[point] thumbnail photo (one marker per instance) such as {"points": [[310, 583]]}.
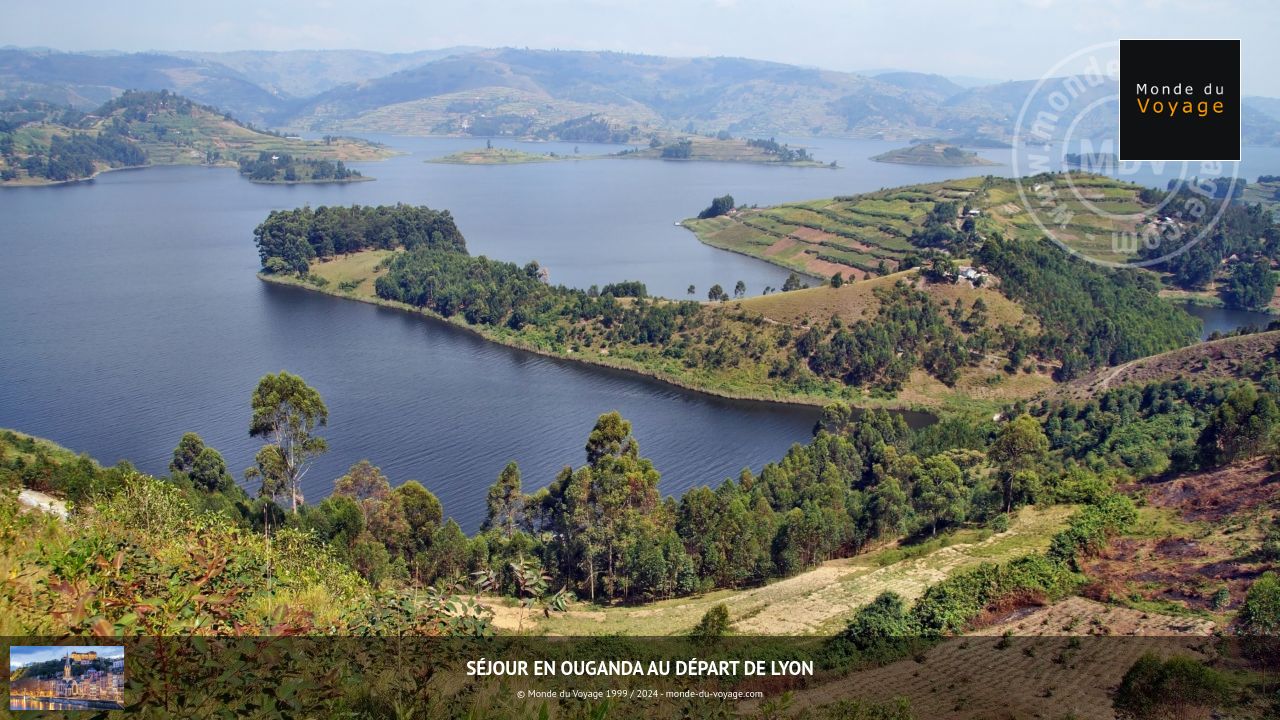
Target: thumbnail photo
{"points": [[61, 677]]}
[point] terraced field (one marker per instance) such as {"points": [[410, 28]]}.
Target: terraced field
{"points": [[869, 234]]}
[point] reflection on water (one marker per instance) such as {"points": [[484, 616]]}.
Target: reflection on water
{"points": [[34, 703], [1226, 320]]}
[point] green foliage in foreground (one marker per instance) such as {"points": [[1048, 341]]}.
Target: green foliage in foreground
{"points": [[145, 561], [1174, 688]]}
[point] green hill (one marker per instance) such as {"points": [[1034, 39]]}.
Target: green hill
{"points": [[43, 143], [855, 234], [929, 153]]}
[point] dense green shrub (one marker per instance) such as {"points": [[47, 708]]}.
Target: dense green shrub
{"points": [[1154, 689]]}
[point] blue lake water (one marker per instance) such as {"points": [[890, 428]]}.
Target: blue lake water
{"points": [[130, 313]]}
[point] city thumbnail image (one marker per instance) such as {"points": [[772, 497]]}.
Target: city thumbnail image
{"points": [[43, 677]]}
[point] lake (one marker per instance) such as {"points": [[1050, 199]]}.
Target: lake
{"points": [[130, 313], [1224, 320]]}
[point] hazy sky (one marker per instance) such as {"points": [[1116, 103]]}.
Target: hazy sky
{"points": [[998, 39]]}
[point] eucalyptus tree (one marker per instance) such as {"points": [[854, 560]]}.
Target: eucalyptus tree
{"points": [[286, 412]]}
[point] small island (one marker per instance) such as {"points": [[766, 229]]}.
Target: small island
{"points": [[1091, 161], [282, 169], [723, 148], [497, 156], [930, 153]]}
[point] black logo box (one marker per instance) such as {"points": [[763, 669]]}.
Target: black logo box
{"points": [[1187, 65]]}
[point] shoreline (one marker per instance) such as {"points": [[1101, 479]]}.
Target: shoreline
{"points": [[72, 181], [605, 361], [362, 178], [762, 258]]}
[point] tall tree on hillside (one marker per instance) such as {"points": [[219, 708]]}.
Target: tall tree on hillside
{"points": [[505, 501], [286, 412], [603, 510], [940, 492], [1018, 446]]}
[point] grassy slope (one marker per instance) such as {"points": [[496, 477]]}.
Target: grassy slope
{"points": [[12, 442], [1223, 358], [852, 235], [818, 601]]}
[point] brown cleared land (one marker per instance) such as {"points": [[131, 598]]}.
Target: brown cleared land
{"points": [[1193, 549], [1225, 358]]}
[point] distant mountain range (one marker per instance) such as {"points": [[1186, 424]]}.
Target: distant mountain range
{"points": [[530, 93]]}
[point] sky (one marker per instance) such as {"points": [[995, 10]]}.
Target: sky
{"points": [[20, 655], [994, 39]]}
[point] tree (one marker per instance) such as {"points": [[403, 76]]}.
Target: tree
{"points": [[610, 436], [1251, 285], [739, 289], [505, 501], [880, 625], [837, 279], [383, 510], [200, 464], [287, 412], [713, 625], [693, 290], [1258, 622], [940, 491], [422, 510], [209, 472], [1260, 614], [719, 206], [1179, 687], [888, 506], [601, 511], [717, 293], [1242, 425], [942, 269], [185, 454], [793, 282], [1019, 445], [338, 521]]}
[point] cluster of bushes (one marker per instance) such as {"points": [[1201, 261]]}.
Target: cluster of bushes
{"points": [[910, 330], [783, 152], [78, 155], [31, 463], [1089, 316], [278, 167], [288, 240], [1173, 425], [146, 561]]}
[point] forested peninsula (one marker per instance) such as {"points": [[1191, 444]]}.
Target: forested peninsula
{"points": [[43, 143], [921, 336]]}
